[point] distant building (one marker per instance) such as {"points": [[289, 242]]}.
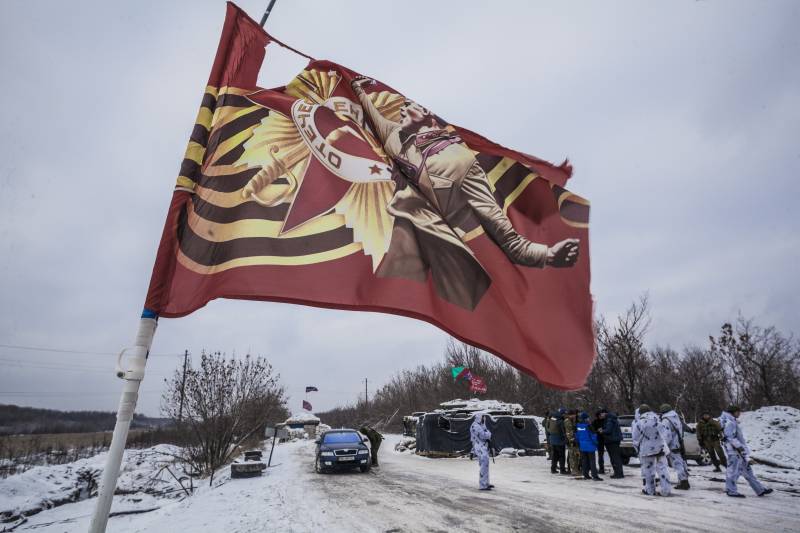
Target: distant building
{"points": [[306, 422]]}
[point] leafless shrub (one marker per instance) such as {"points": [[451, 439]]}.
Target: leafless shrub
{"points": [[221, 404]]}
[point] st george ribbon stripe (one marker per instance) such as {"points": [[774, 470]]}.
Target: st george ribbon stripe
{"points": [[224, 215], [210, 253]]}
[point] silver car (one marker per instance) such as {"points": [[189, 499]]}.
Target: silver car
{"points": [[693, 449]]}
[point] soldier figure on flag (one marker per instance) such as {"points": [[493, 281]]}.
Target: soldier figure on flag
{"points": [[444, 170]]}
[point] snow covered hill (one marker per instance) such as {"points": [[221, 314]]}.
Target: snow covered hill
{"points": [[773, 434]]}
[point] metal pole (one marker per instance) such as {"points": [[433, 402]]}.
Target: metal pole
{"points": [[366, 394], [183, 384], [133, 376], [266, 13], [275, 436]]}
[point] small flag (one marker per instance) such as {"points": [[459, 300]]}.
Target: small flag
{"points": [[460, 372], [306, 406], [312, 389], [477, 385]]}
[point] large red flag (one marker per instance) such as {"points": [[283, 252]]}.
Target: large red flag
{"points": [[337, 191]]}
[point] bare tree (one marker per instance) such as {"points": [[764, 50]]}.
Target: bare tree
{"points": [[704, 379], [622, 353], [761, 364], [226, 401]]}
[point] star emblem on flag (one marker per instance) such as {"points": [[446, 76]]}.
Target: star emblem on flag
{"points": [[316, 154]]}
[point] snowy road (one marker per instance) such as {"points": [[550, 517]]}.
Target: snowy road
{"points": [[410, 493]]}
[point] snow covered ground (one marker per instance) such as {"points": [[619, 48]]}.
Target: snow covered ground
{"points": [[409, 493]]}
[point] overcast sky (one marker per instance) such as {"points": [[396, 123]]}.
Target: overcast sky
{"points": [[681, 118]]}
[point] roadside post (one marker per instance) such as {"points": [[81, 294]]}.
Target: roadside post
{"points": [[276, 433]]}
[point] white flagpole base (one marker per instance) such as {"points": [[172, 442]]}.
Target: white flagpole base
{"points": [[130, 393]]}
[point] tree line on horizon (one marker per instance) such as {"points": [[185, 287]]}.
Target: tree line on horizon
{"points": [[744, 364], [21, 420]]}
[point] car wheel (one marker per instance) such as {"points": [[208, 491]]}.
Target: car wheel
{"points": [[317, 467], [364, 469], [626, 459], [703, 459]]}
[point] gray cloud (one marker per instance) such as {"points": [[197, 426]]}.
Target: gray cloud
{"points": [[681, 119]]}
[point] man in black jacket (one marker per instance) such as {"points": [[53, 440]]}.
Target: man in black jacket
{"points": [[597, 426], [612, 436]]}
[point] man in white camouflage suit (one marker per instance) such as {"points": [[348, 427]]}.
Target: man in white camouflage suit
{"points": [[674, 426], [480, 436], [738, 455], [650, 440]]}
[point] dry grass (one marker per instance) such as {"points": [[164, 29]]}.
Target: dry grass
{"points": [[20, 452]]}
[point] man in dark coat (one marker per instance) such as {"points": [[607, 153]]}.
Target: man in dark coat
{"points": [[597, 425], [557, 440], [545, 423], [709, 433], [612, 436], [375, 439]]}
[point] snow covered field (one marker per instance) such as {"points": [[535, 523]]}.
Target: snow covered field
{"points": [[412, 493]]}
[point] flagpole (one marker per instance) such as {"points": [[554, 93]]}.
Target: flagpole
{"points": [[266, 13], [133, 376]]}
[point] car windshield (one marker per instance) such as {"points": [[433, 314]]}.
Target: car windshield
{"points": [[348, 437], [625, 420]]}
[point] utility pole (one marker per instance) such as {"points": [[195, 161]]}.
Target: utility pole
{"points": [[366, 394], [183, 384]]}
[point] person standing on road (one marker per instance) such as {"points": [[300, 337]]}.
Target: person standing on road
{"points": [[709, 433], [587, 443], [597, 426], [674, 426], [738, 455], [650, 441], [375, 439], [545, 422], [612, 436], [555, 436], [573, 451], [480, 436]]}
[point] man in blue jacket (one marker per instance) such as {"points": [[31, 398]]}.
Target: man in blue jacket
{"points": [[587, 442], [612, 436]]}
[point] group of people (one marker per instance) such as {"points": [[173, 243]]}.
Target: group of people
{"points": [[576, 446], [659, 444]]}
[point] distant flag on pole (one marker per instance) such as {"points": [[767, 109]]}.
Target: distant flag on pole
{"points": [[460, 372], [306, 406], [477, 384], [311, 389]]}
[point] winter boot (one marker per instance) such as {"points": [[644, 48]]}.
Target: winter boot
{"points": [[766, 491], [735, 495], [683, 485], [717, 469]]}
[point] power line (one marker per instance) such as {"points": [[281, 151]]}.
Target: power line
{"points": [[78, 352], [57, 365], [69, 393]]}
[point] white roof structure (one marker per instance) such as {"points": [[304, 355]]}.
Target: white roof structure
{"points": [[476, 404], [302, 418]]}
